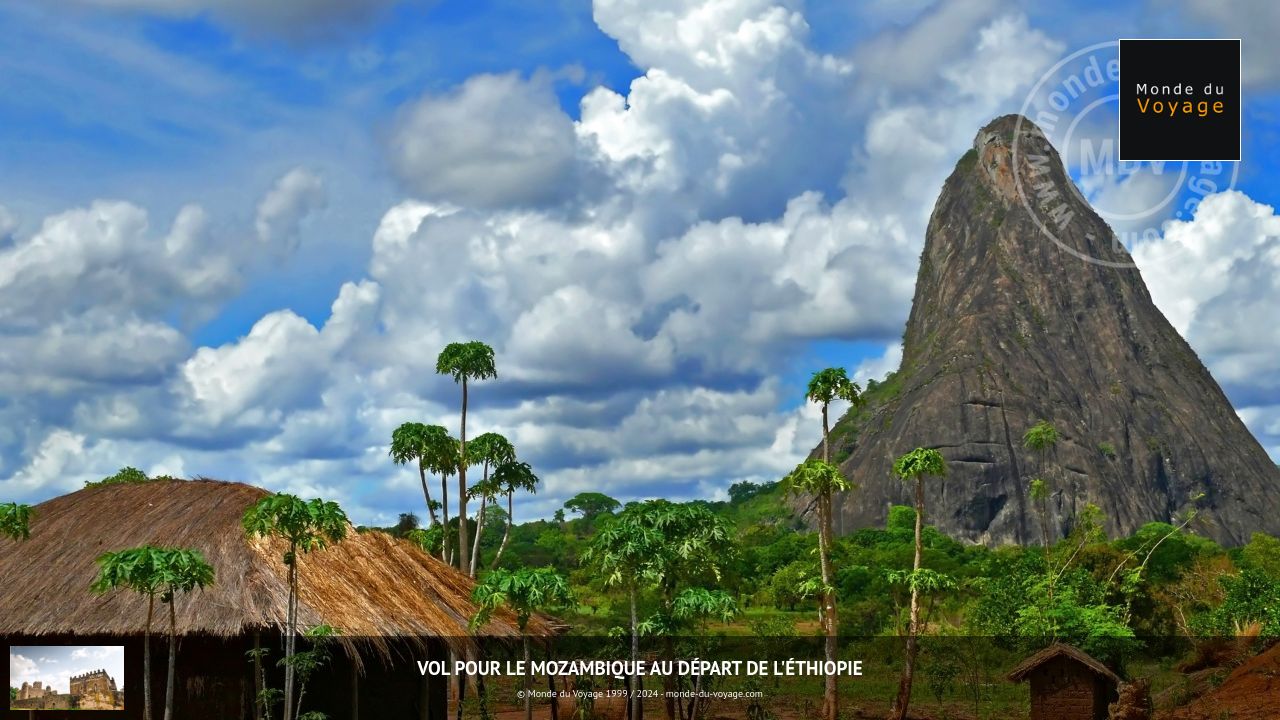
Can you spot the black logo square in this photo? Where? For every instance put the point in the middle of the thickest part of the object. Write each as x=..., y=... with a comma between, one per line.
x=1180, y=100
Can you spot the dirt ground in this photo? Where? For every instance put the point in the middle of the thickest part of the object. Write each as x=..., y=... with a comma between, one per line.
x=1250, y=692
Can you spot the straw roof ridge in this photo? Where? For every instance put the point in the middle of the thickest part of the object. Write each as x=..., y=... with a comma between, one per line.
x=371, y=585
x=1019, y=673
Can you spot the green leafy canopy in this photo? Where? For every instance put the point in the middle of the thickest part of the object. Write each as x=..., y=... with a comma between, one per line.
x=305, y=525
x=525, y=591
x=832, y=384
x=815, y=477
x=1041, y=436
x=466, y=361
x=15, y=521
x=151, y=570
x=920, y=462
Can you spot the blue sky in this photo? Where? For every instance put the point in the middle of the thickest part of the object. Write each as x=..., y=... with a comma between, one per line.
x=233, y=235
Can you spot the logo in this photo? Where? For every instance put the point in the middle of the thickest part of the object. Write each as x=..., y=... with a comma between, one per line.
x=1077, y=105
x=1180, y=100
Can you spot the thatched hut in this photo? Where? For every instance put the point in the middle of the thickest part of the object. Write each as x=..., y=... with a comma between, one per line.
x=1067, y=684
x=391, y=603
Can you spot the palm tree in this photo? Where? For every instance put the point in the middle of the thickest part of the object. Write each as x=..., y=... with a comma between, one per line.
x=525, y=591
x=489, y=450
x=305, y=526
x=15, y=521
x=465, y=361
x=510, y=477
x=914, y=467
x=821, y=479
x=181, y=570
x=412, y=442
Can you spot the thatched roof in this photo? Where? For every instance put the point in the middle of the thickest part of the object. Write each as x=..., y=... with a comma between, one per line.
x=370, y=585
x=1024, y=668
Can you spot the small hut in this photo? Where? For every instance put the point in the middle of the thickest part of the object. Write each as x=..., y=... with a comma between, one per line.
x=391, y=603
x=1067, y=684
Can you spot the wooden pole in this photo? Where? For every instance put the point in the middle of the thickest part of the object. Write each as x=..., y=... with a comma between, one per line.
x=355, y=692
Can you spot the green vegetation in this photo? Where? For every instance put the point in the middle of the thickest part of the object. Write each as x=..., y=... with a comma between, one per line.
x=914, y=467
x=465, y=362
x=152, y=571
x=524, y=591
x=822, y=480
x=305, y=526
x=15, y=521
x=124, y=476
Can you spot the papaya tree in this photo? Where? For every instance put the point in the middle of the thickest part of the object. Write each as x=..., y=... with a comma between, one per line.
x=155, y=571
x=465, y=362
x=821, y=480
x=699, y=606
x=489, y=450
x=510, y=477
x=444, y=459
x=621, y=552
x=914, y=467
x=181, y=570
x=305, y=526
x=411, y=442
x=524, y=591
x=135, y=569
x=1041, y=439
x=825, y=387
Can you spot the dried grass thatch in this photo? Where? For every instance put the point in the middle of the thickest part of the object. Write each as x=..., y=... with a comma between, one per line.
x=371, y=585
x=1024, y=668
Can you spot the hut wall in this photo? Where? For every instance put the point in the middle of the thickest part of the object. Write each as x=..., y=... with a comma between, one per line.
x=1064, y=690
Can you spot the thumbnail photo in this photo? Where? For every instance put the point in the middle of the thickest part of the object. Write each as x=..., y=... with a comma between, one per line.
x=66, y=677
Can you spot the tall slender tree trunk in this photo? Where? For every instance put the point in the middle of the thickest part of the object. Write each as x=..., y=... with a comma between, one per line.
x=506, y=534
x=260, y=711
x=1044, y=523
x=830, y=700
x=464, y=556
x=826, y=436
x=637, y=708
x=291, y=631
x=528, y=679
x=146, y=659
x=475, y=547
x=484, y=503
x=426, y=494
x=551, y=685
x=173, y=659
x=445, y=556
x=913, y=631
x=830, y=697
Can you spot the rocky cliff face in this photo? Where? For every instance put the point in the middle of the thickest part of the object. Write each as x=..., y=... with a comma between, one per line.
x=1008, y=328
